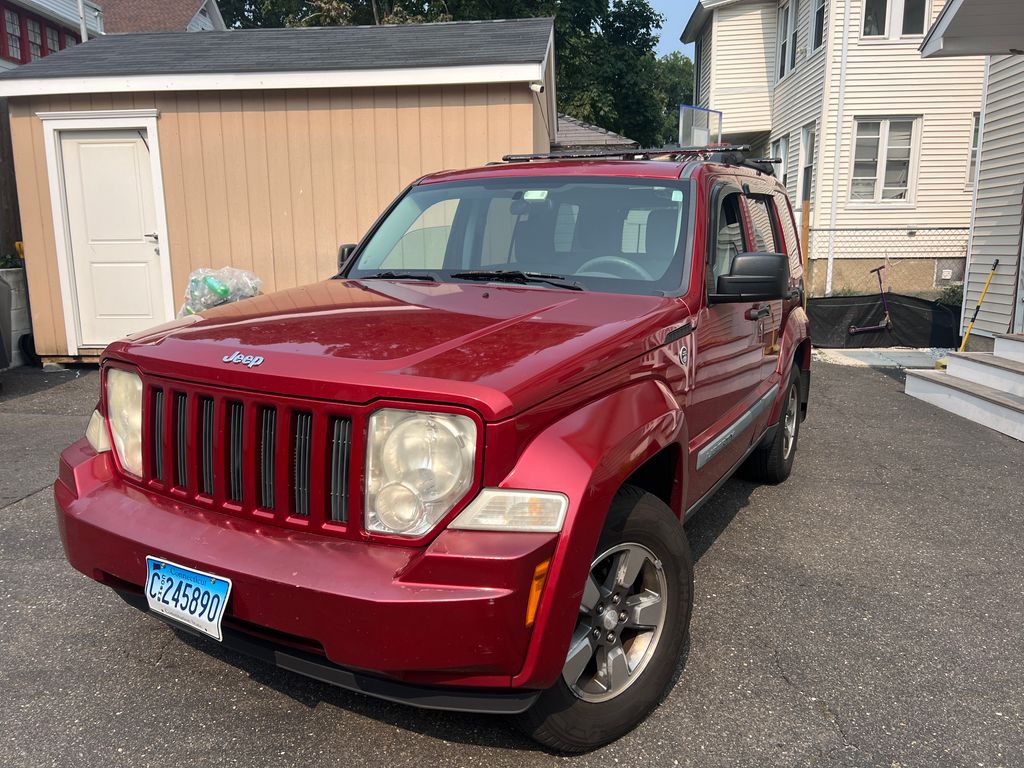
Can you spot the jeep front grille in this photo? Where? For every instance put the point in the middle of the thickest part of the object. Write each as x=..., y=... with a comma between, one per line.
x=278, y=460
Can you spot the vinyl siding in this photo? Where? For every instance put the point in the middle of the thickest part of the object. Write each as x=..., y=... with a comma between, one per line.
x=891, y=79
x=67, y=12
x=705, y=64
x=274, y=181
x=744, y=61
x=998, y=214
x=798, y=98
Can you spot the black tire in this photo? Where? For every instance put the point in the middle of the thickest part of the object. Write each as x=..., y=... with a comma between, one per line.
x=771, y=462
x=561, y=719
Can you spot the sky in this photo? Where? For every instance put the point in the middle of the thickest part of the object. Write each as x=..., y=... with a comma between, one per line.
x=676, y=13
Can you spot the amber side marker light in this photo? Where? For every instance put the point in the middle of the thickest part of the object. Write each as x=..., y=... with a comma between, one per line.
x=540, y=575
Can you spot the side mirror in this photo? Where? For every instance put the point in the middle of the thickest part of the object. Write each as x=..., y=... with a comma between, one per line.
x=754, y=277
x=345, y=255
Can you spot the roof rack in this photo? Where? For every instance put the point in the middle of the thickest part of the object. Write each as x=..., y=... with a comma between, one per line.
x=727, y=154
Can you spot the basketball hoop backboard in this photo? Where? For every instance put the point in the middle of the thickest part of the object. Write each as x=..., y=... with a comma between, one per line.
x=699, y=126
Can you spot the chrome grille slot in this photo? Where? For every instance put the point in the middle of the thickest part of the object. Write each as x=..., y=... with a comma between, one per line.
x=157, y=427
x=268, y=450
x=300, y=463
x=206, y=425
x=236, y=422
x=180, y=438
x=341, y=445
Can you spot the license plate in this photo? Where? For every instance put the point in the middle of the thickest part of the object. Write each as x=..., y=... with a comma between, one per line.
x=187, y=595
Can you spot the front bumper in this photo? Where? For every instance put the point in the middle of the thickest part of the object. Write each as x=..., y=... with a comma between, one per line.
x=449, y=614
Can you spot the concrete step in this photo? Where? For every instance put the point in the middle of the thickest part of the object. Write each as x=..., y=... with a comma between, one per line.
x=1010, y=346
x=1000, y=373
x=983, y=405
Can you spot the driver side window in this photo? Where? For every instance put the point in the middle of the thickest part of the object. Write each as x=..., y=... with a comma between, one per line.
x=730, y=239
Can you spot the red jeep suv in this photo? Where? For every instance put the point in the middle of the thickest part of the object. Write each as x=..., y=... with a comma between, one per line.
x=456, y=474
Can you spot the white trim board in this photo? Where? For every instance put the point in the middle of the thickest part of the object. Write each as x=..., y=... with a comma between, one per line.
x=219, y=81
x=53, y=124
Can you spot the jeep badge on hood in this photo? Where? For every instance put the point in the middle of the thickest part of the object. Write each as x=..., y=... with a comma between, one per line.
x=237, y=357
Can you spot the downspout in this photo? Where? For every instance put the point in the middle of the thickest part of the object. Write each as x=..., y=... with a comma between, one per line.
x=974, y=194
x=82, y=27
x=839, y=138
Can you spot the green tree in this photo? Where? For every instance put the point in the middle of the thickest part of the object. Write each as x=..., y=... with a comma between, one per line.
x=607, y=72
x=675, y=82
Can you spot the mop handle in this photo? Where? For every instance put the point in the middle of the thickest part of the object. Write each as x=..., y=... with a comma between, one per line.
x=977, y=308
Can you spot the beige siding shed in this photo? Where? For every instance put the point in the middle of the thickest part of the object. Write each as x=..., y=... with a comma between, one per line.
x=271, y=171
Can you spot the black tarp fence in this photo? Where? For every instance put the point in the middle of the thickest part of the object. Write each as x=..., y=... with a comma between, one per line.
x=915, y=322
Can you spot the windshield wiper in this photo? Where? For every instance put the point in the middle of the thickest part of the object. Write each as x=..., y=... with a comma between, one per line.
x=516, y=276
x=389, y=275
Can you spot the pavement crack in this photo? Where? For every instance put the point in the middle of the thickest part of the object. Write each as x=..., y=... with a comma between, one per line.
x=821, y=705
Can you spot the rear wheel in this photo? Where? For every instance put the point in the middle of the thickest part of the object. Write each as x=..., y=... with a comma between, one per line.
x=633, y=620
x=772, y=461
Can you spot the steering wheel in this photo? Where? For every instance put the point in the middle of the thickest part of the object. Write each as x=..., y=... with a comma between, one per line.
x=618, y=261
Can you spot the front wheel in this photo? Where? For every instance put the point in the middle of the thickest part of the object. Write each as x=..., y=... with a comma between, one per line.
x=633, y=620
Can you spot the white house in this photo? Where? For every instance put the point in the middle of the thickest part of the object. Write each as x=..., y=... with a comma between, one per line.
x=995, y=28
x=878, y=141
x=32, y=29
x=988, y=386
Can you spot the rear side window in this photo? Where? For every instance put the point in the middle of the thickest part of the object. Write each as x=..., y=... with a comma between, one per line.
x=761, y=224
x=788, y=232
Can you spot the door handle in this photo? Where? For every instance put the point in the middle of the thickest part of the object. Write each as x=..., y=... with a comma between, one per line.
x=756, y=313
x=153, y=235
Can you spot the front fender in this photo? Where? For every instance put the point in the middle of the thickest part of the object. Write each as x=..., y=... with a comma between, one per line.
x=587, y=456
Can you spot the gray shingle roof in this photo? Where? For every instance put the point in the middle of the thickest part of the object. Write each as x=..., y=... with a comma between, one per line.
x=575, y=133
x=460, y=43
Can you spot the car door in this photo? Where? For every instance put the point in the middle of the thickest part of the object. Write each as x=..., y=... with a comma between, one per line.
x=728, y=354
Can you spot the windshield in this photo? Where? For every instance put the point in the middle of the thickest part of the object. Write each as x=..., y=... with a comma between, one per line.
x=612, y=235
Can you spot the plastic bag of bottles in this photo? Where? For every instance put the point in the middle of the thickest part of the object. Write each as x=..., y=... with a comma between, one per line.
x=209, y=288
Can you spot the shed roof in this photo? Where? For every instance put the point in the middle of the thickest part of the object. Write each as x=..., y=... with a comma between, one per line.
x=573, y=132
x=460, y=53
x=302, y=49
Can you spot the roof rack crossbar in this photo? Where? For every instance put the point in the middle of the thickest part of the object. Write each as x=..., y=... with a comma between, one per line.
x=632, y=154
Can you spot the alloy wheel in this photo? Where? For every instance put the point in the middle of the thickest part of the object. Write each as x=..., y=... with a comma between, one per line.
x=789, y=423
x=620, y=622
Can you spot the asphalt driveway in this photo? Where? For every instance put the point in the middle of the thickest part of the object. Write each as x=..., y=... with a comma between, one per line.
x=868, y=612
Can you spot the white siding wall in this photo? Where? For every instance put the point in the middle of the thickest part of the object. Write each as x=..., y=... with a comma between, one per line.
x=744, y=61
x=891, y=78
x=798, y=98
x=66, y=11
x=703, y=98
x=997, y=218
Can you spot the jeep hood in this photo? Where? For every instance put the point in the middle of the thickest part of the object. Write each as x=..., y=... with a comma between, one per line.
x=499, y=349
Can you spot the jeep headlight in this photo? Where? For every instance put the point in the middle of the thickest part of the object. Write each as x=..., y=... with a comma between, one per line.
x=419, y=465
x=124, y=413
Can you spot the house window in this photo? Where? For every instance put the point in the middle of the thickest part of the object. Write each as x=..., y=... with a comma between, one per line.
x=780, y=152
x=882, y=159
x=894, y=18
x=818, y=24
x=52, y=40
x=12, y=35
x=35, y=40
x=807, y=141
x=789, y=15
x=783, y=38
x=70, y=40
x=971, y=169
